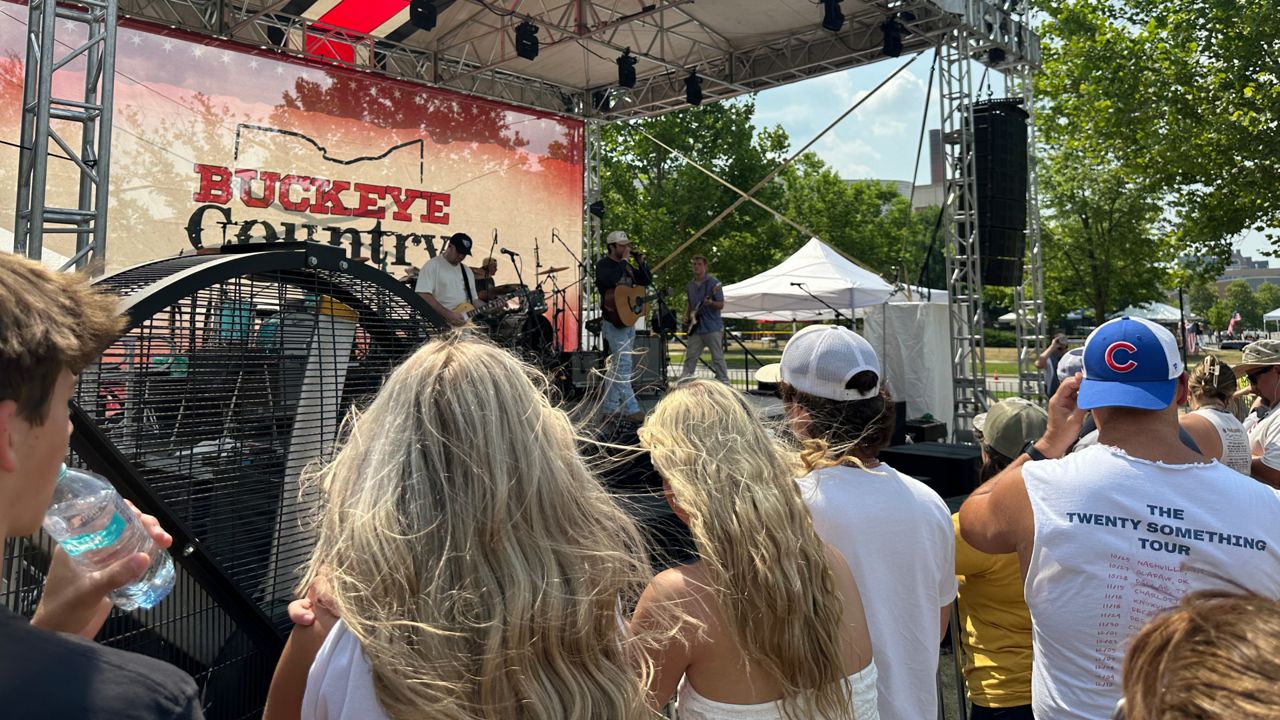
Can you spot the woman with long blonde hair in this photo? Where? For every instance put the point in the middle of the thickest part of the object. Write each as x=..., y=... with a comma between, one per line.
x=477, y=565
x=770, y=622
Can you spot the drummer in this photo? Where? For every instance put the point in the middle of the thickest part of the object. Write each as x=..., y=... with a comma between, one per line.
x=484, y=278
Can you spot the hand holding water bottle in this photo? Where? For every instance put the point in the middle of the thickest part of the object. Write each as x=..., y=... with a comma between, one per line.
x=132, y=570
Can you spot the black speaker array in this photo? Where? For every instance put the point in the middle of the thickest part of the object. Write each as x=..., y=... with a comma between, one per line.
x=1000, y=160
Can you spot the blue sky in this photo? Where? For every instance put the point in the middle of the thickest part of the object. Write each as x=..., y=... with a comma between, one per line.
x=878, y=140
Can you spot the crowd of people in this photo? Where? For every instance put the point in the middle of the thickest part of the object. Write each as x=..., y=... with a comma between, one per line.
x=1134, y=575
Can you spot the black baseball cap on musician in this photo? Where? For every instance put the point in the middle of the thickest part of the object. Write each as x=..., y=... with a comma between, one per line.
x=461, y=242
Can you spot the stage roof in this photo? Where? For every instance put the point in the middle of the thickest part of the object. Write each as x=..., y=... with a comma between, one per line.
x=736, y=46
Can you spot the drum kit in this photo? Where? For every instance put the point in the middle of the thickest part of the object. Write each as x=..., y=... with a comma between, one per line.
x=521, y=325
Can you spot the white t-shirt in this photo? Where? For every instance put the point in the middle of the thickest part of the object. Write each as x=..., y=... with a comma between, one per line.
x=1235, y=441
x=340, y=682
x=1264, y=440
x=1118, y=539
x=897, y=536
x=444, y=282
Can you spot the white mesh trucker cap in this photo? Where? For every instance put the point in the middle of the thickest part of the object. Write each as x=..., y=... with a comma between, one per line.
x=820, y=359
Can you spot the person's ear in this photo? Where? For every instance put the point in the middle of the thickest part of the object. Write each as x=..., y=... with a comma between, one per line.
x=670, y=495
x=8, y=441
x=1183, y=393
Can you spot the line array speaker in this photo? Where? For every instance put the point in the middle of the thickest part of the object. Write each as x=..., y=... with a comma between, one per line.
x=1000, y=164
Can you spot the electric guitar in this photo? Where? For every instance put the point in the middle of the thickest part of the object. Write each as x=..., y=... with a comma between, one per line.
x=624, y=304
x=691, y=320
x=470, y=311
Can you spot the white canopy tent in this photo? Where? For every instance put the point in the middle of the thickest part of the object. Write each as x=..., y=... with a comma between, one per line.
x=824, y=272
x=1271, y=317
x=1156, y=312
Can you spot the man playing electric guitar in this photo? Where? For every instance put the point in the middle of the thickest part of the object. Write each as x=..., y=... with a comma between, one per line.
x=445, y=283
x=612, y=271
x=703, y=323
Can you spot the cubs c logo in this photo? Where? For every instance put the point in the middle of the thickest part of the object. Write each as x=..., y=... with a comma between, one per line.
x=1120, y=367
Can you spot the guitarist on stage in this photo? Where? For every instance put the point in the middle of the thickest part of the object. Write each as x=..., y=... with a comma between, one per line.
x=613, y=270
x=445, y=283
x=703, y=323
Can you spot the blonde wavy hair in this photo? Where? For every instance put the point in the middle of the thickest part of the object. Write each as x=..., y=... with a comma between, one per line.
x=1214, y=384
x=479, y=562
x=1215, y=655
x=767, y=567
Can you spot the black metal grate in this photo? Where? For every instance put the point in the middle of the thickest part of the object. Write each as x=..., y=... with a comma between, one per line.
x=223, y=390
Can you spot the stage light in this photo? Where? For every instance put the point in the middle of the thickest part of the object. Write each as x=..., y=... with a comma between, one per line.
x=893, y=31
x=527, y=40
x=602, y=101
x=995, y=56
x=832, y=18
x=693, y=88
x=627, y=69
x=597, y=208
x=422, y=14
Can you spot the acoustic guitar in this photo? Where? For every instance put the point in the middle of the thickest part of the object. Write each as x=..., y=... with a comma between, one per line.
x=691, y=320
x=624, y=304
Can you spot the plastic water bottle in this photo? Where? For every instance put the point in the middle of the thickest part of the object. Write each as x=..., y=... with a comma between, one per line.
x=97, y=529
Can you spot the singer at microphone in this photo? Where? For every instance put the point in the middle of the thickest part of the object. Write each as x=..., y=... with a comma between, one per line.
x=612, y=272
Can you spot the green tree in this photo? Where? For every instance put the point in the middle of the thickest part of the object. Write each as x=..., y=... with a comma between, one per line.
x=1103, y=251
x=662, y=200
x=1268, y=297
x=1184, y=94
x=1201, y=296
x=1239, y=297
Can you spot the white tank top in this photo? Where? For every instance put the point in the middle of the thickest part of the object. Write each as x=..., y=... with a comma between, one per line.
x=340, y=682
x=1118, y=539
x=1235, y=440
x=692, y=706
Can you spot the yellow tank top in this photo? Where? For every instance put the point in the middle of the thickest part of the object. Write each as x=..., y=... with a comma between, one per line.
x=995, y=626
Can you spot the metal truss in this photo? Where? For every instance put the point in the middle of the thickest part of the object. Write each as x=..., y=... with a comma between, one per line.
x=1029, y=316
x=475, y=54
x=49, y=58
x=964, y=281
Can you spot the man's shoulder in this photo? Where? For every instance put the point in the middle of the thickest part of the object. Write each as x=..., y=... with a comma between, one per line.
x=51, y=675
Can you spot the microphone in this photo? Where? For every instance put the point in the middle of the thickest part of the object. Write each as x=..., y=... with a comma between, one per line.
x=799, y=285
x=512, y=253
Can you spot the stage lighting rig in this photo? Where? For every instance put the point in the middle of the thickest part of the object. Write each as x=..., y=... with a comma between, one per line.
x=693, y=88
x=627, y=69
x=893, y=32
x=527, y=40
x=423, y=14
x=832, y=18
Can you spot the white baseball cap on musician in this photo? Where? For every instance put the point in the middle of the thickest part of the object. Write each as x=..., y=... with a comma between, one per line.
x=820, y=360
x=617, y=237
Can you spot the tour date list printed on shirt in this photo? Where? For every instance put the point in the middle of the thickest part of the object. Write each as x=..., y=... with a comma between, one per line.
x=1149, y=578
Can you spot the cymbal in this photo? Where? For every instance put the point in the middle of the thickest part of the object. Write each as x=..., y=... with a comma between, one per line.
x=553, y=270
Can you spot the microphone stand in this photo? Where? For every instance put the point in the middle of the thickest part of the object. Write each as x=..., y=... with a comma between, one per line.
x=839, y=315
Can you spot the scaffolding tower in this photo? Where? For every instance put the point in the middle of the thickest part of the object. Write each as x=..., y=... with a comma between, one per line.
x=960, y=225
x=91, y=25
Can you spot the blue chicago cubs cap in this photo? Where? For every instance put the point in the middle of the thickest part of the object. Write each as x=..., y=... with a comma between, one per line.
x=1130, y=362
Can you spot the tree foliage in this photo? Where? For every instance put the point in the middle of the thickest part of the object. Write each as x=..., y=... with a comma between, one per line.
x=1182, y=94
x=661, y=200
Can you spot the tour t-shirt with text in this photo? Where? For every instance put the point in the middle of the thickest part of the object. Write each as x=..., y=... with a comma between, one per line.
x=1119, y=538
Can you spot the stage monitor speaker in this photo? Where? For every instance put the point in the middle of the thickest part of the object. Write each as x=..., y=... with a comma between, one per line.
x=951, y=469
x=646, y=366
